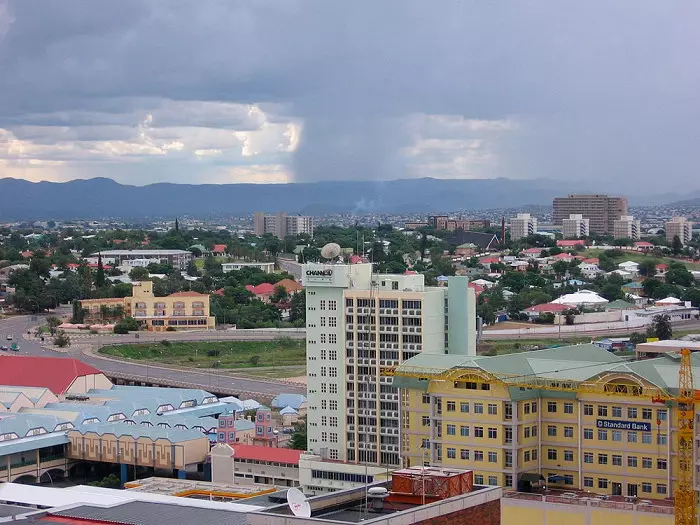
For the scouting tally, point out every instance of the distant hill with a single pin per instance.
(100, 197)
(687, 203)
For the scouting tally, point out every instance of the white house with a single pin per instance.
(629, 266)
(589, 271)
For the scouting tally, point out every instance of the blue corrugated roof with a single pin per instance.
(289, 400)
(33, 443)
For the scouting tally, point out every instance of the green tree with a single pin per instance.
(647, 267)
(126, 325)
(297, 312)
(679, 274)
(100, 279)
(637, 338)
(676, 245)
(299, 436)
(53, 322)
(139, 274)
(279, 294)
(192, 270)
(661, 327)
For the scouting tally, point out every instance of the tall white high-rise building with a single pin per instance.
(626, 227)
(681, 227)
(522, 226)
(575, 226)
(358, 322)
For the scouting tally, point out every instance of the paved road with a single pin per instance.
(552, 332)
(17, 326)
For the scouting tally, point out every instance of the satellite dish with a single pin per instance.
(297, 502)
(330, 251)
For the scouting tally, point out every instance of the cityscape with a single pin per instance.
(267, 264)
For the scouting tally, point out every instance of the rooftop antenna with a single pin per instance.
(298, 503)
(330, 251)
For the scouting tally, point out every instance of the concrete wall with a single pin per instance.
(593, 317)
(82, 384)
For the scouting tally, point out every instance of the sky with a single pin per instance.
(211, 91)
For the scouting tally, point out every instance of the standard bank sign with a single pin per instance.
(623, 425)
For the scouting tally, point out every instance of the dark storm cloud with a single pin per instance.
(602, 90)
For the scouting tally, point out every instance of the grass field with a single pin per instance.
(524, 345)
(218, 354)
(639, 257)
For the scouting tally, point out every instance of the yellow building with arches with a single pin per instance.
(575, 417)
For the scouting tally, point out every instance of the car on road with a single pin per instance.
(15, 347)
(4, 348)
(9, 337)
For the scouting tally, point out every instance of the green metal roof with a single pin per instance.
(573, 363)
(619, 305)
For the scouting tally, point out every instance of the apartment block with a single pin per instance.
(181, 310)
(282, 224)
(626, 227)
(358, 322)
(600, 210)
(575, 226)
(522, 226)
(681, 227)
(177, 258)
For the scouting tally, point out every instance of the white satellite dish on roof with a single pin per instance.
(298, 503)
(330, 251)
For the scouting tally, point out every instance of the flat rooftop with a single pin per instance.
(358, 505)
(198, 489)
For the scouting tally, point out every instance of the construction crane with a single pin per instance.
(684, 494)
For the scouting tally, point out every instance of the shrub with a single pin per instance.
(213, 352)
(165, 342)
(255, 360)
(61, 340)
(170, 329)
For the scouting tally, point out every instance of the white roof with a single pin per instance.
(82, 494)
(669, 300)
(581, 297)
(628, 264)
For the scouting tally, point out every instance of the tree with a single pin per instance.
(279, 294)
(299, 439)
(612, 292)
(647, 267)
(297, 312)
(177, 225)
(678, 274)
(139, 274)
(126, 325)
(192, 270)
(53, 322)
(637, 338)
(676, 245)
(692, 295)
(100, 273)
(61, 340)
(661, 327)
(560, 268)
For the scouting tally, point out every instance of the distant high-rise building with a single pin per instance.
(575, 226)
(522, 226)
(282, 224)
(626, 227)
(681, 227)
(601, 211)
(444, 222)
(358, 322)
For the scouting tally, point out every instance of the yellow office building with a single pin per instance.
(181, 310)
(575, 417)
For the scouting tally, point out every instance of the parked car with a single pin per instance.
(4, 348)
(9, 337)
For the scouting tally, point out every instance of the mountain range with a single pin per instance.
(101, 197)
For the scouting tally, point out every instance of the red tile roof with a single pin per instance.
(662, 267)
(549, 307)
(489, 260)
(272, 454)
(261, 289)
(561, 256)
(220, 291)
(219, 248)
(186, 294)
(592, 260)
(290, 285)
(56, 374)
(570, 243)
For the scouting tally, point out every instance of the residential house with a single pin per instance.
(629, 266)
(643, 246)
(234, 429)
(570, 243)
(633, 288)
(589, 271)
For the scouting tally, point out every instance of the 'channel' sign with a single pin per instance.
(623, 425)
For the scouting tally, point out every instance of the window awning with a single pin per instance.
(531, 477)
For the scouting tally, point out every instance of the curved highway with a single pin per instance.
(17, 328)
